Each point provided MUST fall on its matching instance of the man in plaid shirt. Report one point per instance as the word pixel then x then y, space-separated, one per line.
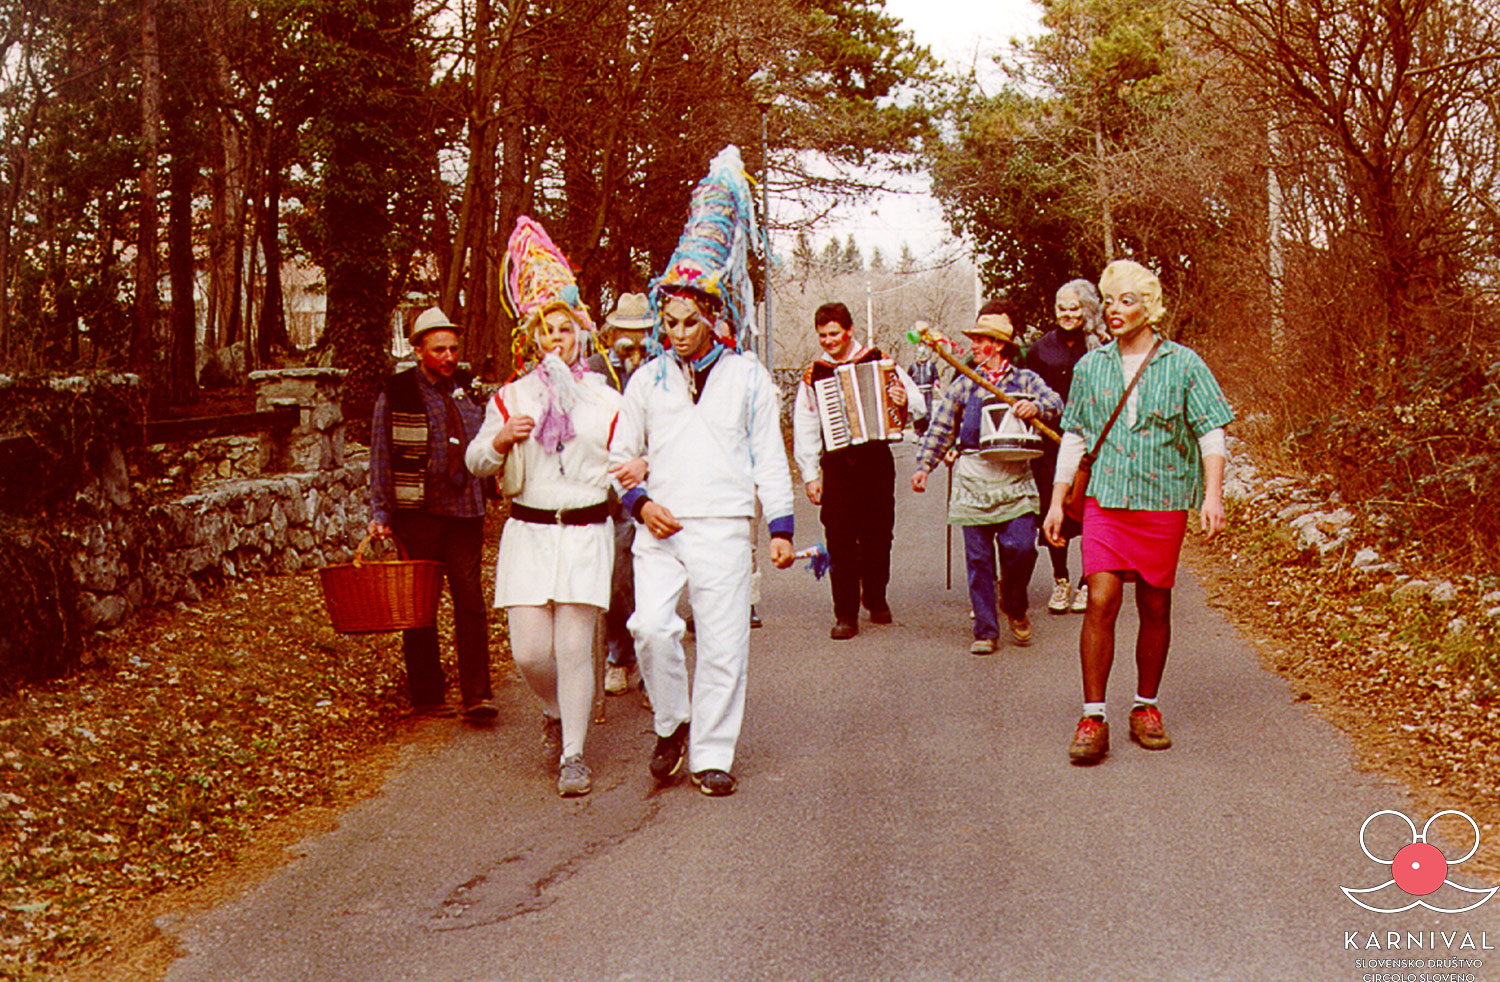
pixel 994 502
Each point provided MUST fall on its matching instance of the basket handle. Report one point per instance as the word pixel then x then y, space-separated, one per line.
pixel 364 547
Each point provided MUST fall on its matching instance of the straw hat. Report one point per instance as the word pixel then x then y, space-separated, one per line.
pixel 997 326
pixel 431 319
pixel 632 313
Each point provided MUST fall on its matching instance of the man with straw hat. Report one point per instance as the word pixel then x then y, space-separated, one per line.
pixel 708 419
pixel 421 491
pixel 624 350
pixel 994 501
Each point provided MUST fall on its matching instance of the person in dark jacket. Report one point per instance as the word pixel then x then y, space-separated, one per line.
pixel 1079 321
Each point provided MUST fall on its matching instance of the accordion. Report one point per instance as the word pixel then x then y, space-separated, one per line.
pixel 853 407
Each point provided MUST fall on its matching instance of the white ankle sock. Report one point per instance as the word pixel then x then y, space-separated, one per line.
pixel 1094 709
pixel 1141 700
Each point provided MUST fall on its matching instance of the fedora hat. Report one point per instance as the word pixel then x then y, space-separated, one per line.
pixel 431 319
pixel 632 313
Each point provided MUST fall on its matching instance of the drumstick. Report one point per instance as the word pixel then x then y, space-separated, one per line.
pixel 922 333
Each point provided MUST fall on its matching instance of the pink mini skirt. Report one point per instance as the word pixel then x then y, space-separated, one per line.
pixel 1143 543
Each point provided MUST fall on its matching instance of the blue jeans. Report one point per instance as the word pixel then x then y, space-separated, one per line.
pixel 1017 541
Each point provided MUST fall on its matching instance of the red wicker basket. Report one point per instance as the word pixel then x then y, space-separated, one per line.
pixel 366 597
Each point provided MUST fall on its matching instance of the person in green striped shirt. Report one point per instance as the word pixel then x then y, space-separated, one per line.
pixel 1164 455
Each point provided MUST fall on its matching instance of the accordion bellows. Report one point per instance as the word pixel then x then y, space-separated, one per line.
pixel 853 407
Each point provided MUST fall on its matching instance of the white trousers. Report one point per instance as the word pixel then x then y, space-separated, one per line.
pixel 711 558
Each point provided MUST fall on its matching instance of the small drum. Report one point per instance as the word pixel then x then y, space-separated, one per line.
pixel 1003 437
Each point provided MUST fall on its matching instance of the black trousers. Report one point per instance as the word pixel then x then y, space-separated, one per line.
pixel 858 514
pixel 457 544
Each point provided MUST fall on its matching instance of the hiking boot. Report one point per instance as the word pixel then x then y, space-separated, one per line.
pixel 984 646
pixel 843 630
pixel 1146 728
pixel 574 778
pixel 616 680
pixel 1020 628
pixel 715 783
pixel 1090 741
pixel 1081 599
pixel 551 740
pixel 1061 590
pixel 666 760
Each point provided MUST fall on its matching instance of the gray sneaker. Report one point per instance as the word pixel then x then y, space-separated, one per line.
pixel 574 778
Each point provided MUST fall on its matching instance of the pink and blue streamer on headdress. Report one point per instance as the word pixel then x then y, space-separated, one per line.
pixel 713 255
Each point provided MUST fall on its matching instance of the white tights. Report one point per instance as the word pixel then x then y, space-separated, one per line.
pixel 553 646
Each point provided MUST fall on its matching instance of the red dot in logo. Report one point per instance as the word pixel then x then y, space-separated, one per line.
pixel 1419 869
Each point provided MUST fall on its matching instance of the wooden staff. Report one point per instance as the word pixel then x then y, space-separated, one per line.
pixel 923 333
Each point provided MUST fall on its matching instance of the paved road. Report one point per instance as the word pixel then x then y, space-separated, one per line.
pixel 906 812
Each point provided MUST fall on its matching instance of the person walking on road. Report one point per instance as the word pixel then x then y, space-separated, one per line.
pixel 1164 455
pixel 1053 357
pixel 624 351
pixel 995 502
pixel 549 432
pixel 854 486
pixel 421 492
pixel 707 419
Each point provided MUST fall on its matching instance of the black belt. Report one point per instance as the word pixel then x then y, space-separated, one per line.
pixel 588 515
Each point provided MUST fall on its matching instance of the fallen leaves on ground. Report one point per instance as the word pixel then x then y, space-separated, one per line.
pixel 190 730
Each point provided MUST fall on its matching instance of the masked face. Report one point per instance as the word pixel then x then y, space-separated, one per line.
pixel 1069 312
pixel 630 350
pixel 686 327
pixel 558 332
pixel 1132 298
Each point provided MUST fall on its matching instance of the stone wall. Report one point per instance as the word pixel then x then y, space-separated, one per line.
pixel 291 501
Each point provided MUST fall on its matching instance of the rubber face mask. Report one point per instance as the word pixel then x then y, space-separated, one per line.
pixel 558 332
pixel 686 327
pixel 1132 298
pixel 1069 313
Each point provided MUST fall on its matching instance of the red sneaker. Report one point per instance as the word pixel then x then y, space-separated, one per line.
pixel 1090 741
pixel 1146 728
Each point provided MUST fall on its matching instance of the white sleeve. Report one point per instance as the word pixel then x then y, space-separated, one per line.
pixel 480 456
pixel 1211 444
pixel 807 434
pixel 773 478
pixel 915 404
pixel 629 440
pixel 1068 456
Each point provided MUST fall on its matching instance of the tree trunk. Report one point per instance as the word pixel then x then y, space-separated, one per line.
pixel 183 173
pixel 147 351
pixel 272 334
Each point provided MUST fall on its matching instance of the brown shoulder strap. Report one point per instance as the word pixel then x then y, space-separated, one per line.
pixel 1094 453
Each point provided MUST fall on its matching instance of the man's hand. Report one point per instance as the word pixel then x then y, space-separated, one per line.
pixel 377 531
pixel 659 520
pixel 1211 517
pixel 815 490
pixel 1026 409
pixel 1052 524
pixel 896 392
pixel 919 481
pixel 512 432
pixel 781 552
pixel 630 473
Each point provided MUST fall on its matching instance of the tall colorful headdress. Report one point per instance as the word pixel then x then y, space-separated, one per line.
pixel 712 259
pixel 538 280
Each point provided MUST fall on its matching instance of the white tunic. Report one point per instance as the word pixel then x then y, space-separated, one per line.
pixel 554 563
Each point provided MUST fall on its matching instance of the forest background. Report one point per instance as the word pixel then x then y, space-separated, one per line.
pixel 1314 180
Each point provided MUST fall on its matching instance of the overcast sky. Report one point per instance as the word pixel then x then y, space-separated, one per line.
pixel 963 34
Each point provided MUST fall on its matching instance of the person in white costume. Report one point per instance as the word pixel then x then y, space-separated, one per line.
pixel 557 548
pixel 708 421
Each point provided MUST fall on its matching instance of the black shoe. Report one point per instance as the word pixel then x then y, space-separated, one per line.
pixel 481 711
pixel 880 615
pixel 843 630
pixel 715 783
pixel 433 710
pixel 666 761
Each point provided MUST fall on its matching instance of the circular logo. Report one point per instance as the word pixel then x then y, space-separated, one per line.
pixel 1419 869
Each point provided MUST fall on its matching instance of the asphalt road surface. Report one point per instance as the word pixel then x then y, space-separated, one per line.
pixel 906 811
